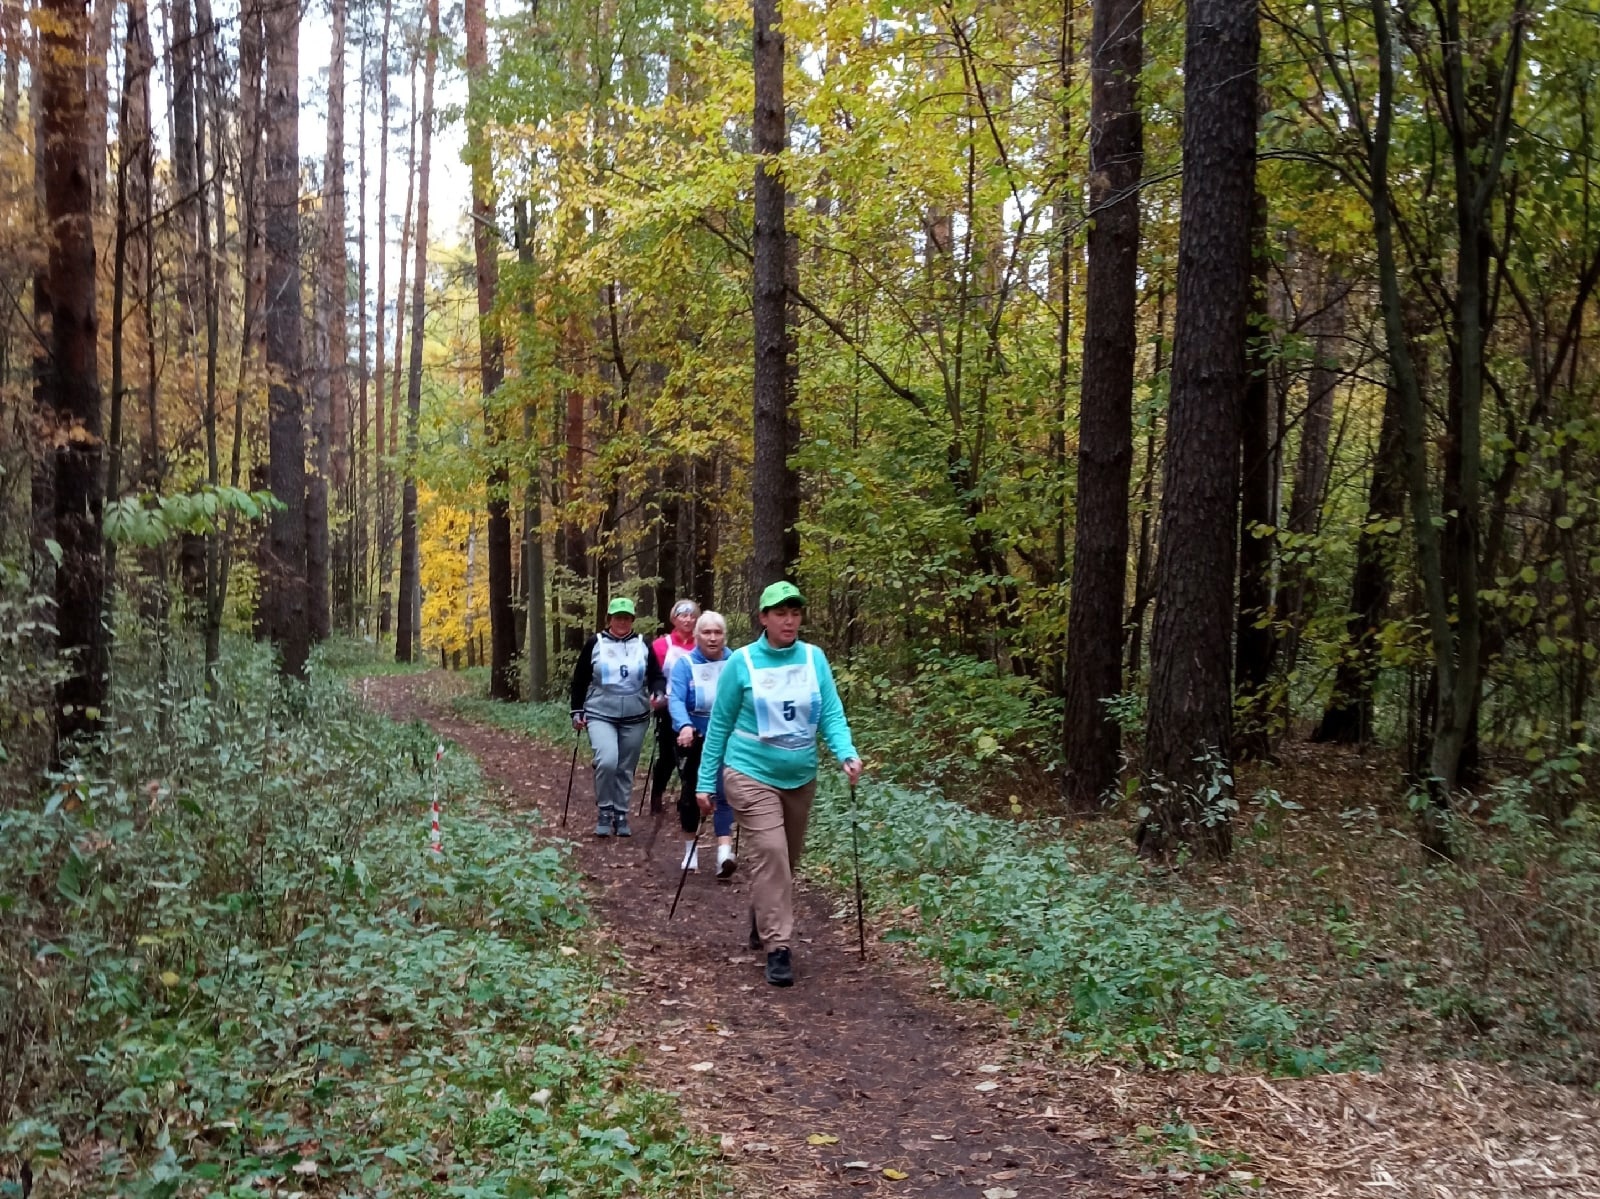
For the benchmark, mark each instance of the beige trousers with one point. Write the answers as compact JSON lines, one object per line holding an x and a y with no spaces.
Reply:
{"x":774,"y":822}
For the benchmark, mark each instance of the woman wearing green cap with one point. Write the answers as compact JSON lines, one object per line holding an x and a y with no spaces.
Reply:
{"x":616,"y":684}
{"x":773,"y":698}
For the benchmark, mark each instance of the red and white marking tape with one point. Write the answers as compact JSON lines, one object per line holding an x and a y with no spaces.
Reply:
{"x":436,"y":842}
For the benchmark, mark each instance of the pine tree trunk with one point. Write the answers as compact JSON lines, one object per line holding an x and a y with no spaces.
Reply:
{"x":408,"y":631}
{"x":68,"y":386}
{"x":1091,"y":740}
{"x":503,"y":680}
{"x":1187,"y":777}
{"x":774,"y":488}
{"x":286,"y":583}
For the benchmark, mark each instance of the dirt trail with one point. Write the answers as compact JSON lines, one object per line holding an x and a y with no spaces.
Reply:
{"x":858,"y":1051}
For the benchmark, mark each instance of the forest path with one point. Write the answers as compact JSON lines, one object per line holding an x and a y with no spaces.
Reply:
{"x":860,"y":1051}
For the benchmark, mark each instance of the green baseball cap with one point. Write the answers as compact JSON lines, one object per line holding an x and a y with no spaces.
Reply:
{"x":621,"y":606}
{"x":781,"y":593}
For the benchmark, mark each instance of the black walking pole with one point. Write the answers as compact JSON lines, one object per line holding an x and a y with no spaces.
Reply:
{"x":687,"y":858}
{"x":572,"y":769}
{"x":655,"y":744}
{"x":855,"y":849}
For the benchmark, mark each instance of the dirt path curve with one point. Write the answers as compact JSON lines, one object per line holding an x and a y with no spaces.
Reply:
{"x":857,"y":1051}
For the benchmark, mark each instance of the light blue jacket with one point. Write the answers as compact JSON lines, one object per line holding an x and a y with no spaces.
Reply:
{"x":682,"y":702}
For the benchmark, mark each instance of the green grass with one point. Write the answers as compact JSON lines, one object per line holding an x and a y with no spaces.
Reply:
{"x":233,"y":967}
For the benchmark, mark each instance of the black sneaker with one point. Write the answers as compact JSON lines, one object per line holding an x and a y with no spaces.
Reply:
{"x":620,"y":827}
{"x":780,"y":971}
{"x":756,"y":943}
{"x":603,"y":829}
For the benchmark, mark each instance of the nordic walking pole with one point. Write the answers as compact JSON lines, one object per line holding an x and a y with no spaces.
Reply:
{"x":572,"y":770}
{"x":683,"y":875}
{"x":655,"y":744}
{"x":855,"y":851}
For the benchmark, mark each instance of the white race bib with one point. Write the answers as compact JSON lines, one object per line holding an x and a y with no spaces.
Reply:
{"x":619,"y":665}
{"x":674,"y":652}
{"x":705,"y":675}
{"x":787,"y":701}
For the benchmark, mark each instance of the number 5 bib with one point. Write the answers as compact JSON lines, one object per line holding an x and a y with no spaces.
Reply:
{"x":787,"y":701}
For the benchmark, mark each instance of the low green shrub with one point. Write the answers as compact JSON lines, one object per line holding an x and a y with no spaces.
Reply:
{"x":1097,"y":956}
{"x":231,"y":965}
{"x":954,"y":719}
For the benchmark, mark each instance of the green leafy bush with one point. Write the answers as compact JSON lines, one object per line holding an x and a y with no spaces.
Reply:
{"x":952,"y":720}
{"x":231,"y":964}
{"x":1099,"y":956}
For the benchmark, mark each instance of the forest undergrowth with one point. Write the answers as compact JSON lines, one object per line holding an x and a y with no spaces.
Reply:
{"x":1327,"y":943}
{"x":233,"y":967}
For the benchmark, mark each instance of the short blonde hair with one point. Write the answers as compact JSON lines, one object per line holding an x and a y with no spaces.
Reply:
{"x":709,"y":617}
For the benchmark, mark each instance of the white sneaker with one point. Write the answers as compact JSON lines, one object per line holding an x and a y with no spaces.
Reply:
{"x":691,"y":859}
{"x":726,"y":862}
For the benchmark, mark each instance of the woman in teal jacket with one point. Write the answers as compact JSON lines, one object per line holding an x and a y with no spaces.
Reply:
{"x":773,"y":698}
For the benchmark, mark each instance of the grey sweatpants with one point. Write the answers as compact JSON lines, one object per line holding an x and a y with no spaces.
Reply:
{"x":616,"y":756}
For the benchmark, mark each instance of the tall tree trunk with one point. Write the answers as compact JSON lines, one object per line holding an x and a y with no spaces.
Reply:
{"x":577,"y":550}
{"x":68,"y":386}
{"x":669,"y":499}
{"x":1253,"y":637}
{"x":286,"y":583}
{"x":503,"y":681}
{"x":408,"y":631}
{"x":538,"y":639}
{"x":380,"y":476}
{"x":775,"y":485}
{"x":100,"y":37}
{"x":1189,"y":728}
{"x":1310,"y":482}
{"x":332,"y":456}
{"x":361,"y":480}
{"x":1348,"y":716}
{"x":704,"y":516}
{"x":130,"y":253}
{"x":14,"y":46}
{"x":252,"y":267}
{"x":208,"y":114}
{"x":392,"y":504}
{"x":1091,"y":740}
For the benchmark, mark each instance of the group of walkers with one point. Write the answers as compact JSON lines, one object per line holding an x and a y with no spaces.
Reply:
{"x":741,"y":730}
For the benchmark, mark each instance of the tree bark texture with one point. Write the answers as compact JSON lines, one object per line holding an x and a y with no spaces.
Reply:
{"x":69,"y":380}
{"x":774,"y":485}
{"x":503,"y":680}
{"x":1091,"y":740}
{"x":408,"y":633}
{"x":286,"y":583}
{"x":1190,"y":703}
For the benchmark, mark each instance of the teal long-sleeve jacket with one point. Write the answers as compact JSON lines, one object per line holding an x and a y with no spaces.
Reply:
{"x":731,"y":737}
